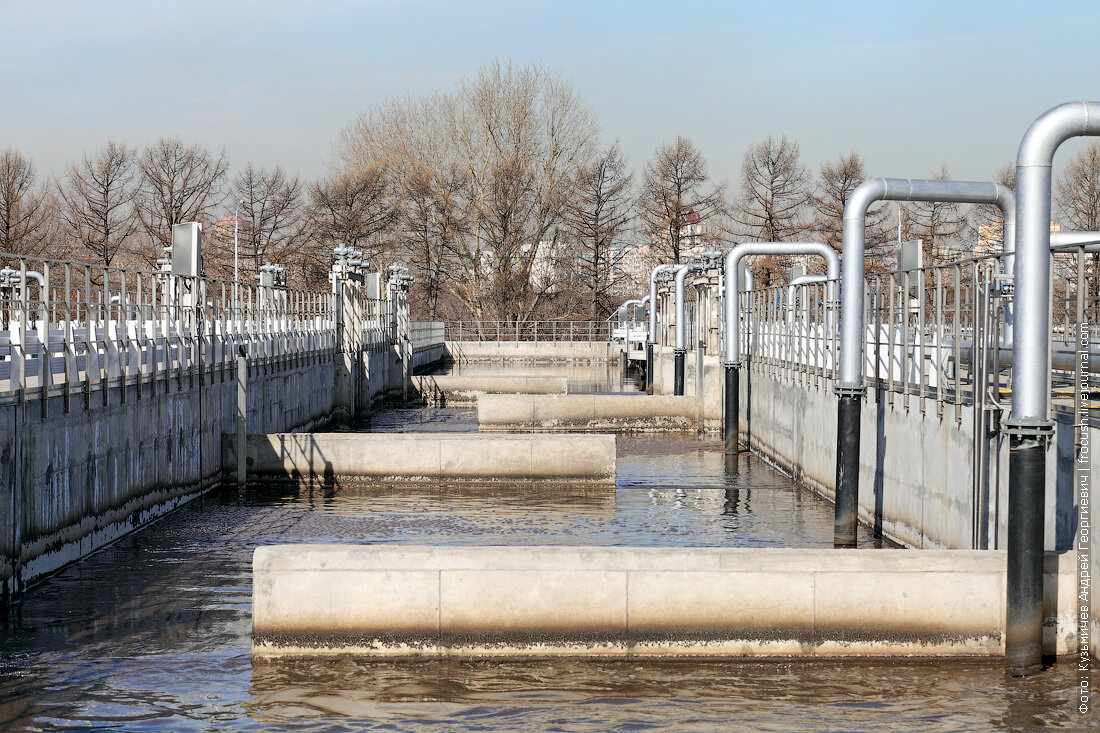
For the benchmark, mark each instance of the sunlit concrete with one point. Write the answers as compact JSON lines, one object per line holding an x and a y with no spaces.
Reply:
{"x":463,"y":389}
{"x":416,"y":600}
{"x":418,"y":457}
{"x":587,"y":412}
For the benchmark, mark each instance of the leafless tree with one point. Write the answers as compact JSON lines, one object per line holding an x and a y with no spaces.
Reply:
{"x":1077,"y":194}
{"x":513,"y":136}
{"x":26,"y":210}
{"x":836,"y":183}
{"x":433,"y":219}
{"x":675,"y":197}
{"x":986,"y":225}
{"x":938,"y":224}
{"x":1078,"y":190}
{"x":598,"y":217}
{"x":179,"y":183}
{"x":97,"y":201}
{"x":774,"y":197}
{"x":271,"y":215}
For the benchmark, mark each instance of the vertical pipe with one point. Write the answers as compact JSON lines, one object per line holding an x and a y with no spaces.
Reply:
{"x":1028,"y":426}
{"x":731,"y":408}
{"x":678,"y":379}
{"x":242,"y":417}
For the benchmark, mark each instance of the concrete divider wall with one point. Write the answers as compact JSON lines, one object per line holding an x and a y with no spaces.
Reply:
{"x":588,"y":412}
{"x":74,"y":481}
{"x":409,"y":600}
{"x":916,"y":469}
{"x":535,"y":351}
{"x":462,"y":389}
{"x":432,"y":456}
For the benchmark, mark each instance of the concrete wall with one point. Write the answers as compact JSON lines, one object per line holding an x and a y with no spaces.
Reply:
{"x":75,"y":481}
{"x":462,"y":389}
{"x":432,"y":456}
{"x":551,"y":351}
{"x":589,"y":412}
{"x":916,"y":466}
{"x":409,"y":600}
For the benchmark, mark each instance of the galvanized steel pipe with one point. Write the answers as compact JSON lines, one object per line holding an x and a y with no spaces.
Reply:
{"x":1027,"y":425}
{"x":733,"y":286}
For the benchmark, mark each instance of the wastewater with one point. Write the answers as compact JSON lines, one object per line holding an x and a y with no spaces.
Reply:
{"x":153,"y":631}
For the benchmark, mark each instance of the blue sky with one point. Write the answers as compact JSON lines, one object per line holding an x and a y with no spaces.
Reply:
{"x":909,"y":85}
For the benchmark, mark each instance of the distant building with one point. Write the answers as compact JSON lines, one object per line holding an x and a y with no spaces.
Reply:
{"x":991,"y":238}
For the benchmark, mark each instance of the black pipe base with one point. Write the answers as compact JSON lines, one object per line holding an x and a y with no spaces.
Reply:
{"x":678,"y":378}
{"x":731,"y":400}
{"x":1026,"y":513}
{"x":649,"y":367}
{"x":846,"y":516}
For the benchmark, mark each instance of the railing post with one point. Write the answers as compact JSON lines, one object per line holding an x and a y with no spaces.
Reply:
{"x":242,"y":416}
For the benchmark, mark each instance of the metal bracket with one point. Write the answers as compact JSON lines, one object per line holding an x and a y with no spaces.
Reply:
{"x":849,"y":390}
{"x":1028,"y":427}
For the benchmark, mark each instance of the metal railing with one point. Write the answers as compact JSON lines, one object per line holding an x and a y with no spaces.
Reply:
{"x":534,"y":331}
{"x":937,"y":332}
{"x":84,"y":328}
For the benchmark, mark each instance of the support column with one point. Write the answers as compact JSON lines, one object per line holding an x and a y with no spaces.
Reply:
{"x":242,"y":417}
{"x":846,"y":515}
{"x":731,"y":412}
{"x":1026,"y":519}
{"x":349,"y":340}
{"x":648,"y":367}
{"x":678,"y":379}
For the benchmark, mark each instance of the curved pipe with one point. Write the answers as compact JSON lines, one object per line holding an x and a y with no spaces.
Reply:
{"x":803,"y":280}
{"x":733,"y":287}
{"x":681,"y":277}
{"x":653,"y":299}
{"x":854,"y":236}
{"x":12,"y":273}
{"x":1030,"y":372}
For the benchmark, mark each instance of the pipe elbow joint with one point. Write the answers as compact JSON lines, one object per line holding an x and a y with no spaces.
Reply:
{"x":1054,"y":127}
{"x":865,"y":194}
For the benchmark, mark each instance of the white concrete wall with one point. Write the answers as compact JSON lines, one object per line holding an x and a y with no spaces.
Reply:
{"x":463,"y":389}
{"x":915,"y":483}
{"x":588,"y":412}
{"x":410,"y":600}
{"x":551,"y":351}
{"x":434,"y":456}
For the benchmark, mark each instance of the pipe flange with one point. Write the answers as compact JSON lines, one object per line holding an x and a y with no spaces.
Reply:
{"x":1028,"y":427}
{"x":849,"y":390}
{"x":733,"y":364}
{"x":679,"y":351}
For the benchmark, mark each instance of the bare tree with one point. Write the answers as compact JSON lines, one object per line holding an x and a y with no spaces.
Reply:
{"x":433,"y":219}
{"x":97,"y":201}
{"x":598,"y":216}
{"x":1078,"y":190}
{"x":179,"y":183}
{"x":938,"y":224}
{"x":1077,"y":194}
{"x":26,"y":211}
{"x":985,"y":221}
{"x":774,"y":195}
{"x":675,"y":197}
{"x":271,"y":215}
{"x":836,"y":183}
{"x":513,"y":136}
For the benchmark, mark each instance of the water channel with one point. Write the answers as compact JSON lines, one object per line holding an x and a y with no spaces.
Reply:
{"x":153,"y":632}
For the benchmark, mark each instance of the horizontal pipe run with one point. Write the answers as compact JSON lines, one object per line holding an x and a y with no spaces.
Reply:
{"x":400,"y":600}
{"x":418,"y":457}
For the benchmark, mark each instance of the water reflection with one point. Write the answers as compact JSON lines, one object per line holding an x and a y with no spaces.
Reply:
{"x":154,"y":631}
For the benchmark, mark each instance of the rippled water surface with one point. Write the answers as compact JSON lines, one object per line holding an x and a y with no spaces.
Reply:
{"x":152,"y":633}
